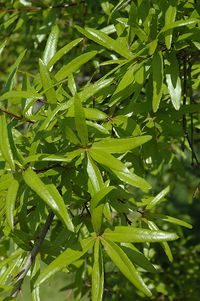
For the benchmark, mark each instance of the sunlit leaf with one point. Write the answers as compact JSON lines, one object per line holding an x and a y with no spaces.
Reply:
{"x":121,"y":260}
{"x":131,"y":234}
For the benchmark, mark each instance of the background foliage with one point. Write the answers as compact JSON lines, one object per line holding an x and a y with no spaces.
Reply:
{"x":99,"y":140}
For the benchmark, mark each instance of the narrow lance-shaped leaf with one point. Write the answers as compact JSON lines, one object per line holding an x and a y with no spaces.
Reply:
{"x":4,"y":143}
{"x":97,"y":183}
{"x":65,"y":258}
{"x":81,"y":126}
{"x":137,"y":257}
{"x":113,"y":145}
{"x":133,"y":180}
{"x":47,"y":84}
{"x":170,"y":16}
{"x":103,"y":39}
{"x":164,"y":244}
{"x":49,"y":194}
{"x":51,"y":45}
{"x":108,"y":160}
{"x":172,"y":220}
{"x":19,"y":94}
{"x":97,"y":273}
{"x":10,"y":201}
{"x":173,"y":79}
{"x":9,"y":83}
{"x":157,"y":70}
{"x":130,"y":234}
{"x":59,"y":54}
{"x":74,"y":65}
{"x":121,"y":260}
{"x":158,"y":198}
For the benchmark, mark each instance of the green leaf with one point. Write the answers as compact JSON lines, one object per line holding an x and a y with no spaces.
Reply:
{"x":49,"y":194}
{"x":108,"y":160}
{"x":179,"y":23}
{"x":138,"y":257}
{"x":132,"y":179}
{"x":90,"y":113}
{"x":97,"y":273}
{"x":10,"y":202}
{"x":173,"y":79}
{"x":130,"y":234}
{"x":80,"y":123}
{"x":5,"y":144}
{"x":13,"y":71}
{"x":121,"y":260}
{"x":113,"y":145}
{"x":94,"y":174}
{"x":156,"y":200}
{"x":172,"y":220}
{"x":51,"y":45}
{"x":47,"y":84}
{"x":74,"y":65}
{"x":170,"y":16}
{"x":19,"y":94}
{"x":157,"y":70}
{"x":97,"y":207}
{"x":2,"y":46}
{"x":164,"y":244}
{"x":103,"y":39}
{"x":67,"y":257}
{"x":125,"y":86}
{"x":59,"y":54}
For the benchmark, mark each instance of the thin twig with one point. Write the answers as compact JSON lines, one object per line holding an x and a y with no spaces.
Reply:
{"x":38,"y":8}
{"x":16,"y":116}
{"x":31,"y":257}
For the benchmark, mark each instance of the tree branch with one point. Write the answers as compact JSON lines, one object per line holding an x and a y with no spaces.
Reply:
{"x":31,"y":257}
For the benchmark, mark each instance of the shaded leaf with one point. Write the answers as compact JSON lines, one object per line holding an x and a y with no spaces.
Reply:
{"x":47,"y":84}
{"x":67,"y":257}
{"x":81,"y":126}
{"x":121,"y":260}
{"x":157,"y":70}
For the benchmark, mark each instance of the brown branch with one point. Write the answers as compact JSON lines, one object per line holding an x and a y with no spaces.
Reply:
{"x":38,"y":8}
{"x":16,"y":116}
{"x":31,"y":257}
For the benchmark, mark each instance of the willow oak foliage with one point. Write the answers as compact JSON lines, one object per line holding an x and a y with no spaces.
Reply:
{"x":78,"y":156}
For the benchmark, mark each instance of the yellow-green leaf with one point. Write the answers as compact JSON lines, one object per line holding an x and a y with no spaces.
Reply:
{"x":49,"y":194}
{"x":10,"y":202}
{"x":47,"y":83}
{"x":74,"y":65}
{"x":131,"y":234}
{"x":170,"y":16}
{"x":51,"y":45}
{"x":5,"y":144}
{"x":67,"y":257}
{"x":113,"y":145}
{"x":97,"y":273}
{"x":121,"y":260}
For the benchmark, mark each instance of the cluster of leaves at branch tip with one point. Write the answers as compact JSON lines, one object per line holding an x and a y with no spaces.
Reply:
{"x":85,"y":137}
